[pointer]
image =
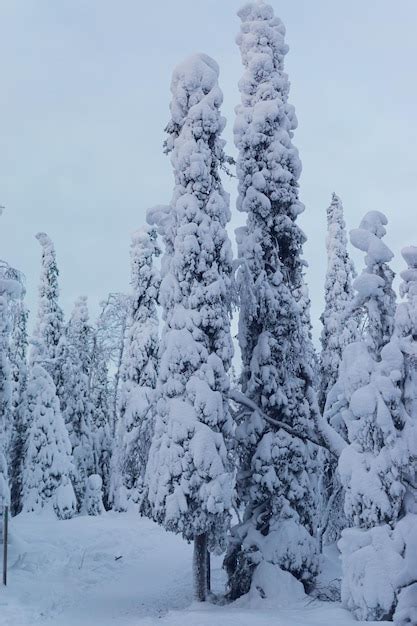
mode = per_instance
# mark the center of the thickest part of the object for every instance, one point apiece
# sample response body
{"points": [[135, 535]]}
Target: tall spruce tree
{"points": [[339, 330], [273, 480], [371, 312], [110, 342], [139, 368], [189, 473], [101, 423], [375, 297], [10, 289], [50, 317], [5, 403], [406, 334], [375, 465], [74, 394], [338, 293], [406, 329], [19, 369]]}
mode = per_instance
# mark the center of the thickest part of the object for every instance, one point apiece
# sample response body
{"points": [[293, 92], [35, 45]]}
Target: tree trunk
{"points": [[200, 567]]}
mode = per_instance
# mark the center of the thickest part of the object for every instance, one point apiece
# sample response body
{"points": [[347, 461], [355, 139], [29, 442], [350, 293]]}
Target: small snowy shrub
{"points": [[93, 500]]}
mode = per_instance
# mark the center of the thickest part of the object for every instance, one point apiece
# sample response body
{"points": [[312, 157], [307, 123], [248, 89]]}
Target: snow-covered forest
{"points": [[156, 464]]}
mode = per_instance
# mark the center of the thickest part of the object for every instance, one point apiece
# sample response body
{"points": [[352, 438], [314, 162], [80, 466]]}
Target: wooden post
{"points": [[5, 539]]}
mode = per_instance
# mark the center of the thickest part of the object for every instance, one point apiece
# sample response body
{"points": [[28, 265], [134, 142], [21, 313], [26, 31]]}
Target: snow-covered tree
{"points": [[101, 424], [374, 470], [404, 539], [273, 482], [375, 296], [74, 352], [370, 313], [406, 334], [5, 403], [139, 368], [19, 370], [339, 330], [48, 466], [50, 318], [110, 342], [10, 290], [377, 468], [338, 293], [189, 474], [406, 328]]}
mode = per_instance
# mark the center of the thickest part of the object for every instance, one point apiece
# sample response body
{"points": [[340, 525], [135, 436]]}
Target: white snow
{"points": [[65, 573]]}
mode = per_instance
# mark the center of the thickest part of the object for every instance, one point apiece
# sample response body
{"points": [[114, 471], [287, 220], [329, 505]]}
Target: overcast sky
{"points": [[84, 99]]}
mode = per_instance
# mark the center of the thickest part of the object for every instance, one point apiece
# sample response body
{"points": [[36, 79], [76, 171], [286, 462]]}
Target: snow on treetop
{"points": [[144, 243], [409, 276], [193, 79], [409, 254], [256, 11], [141, 235], [263, 48], [374, 222], [80, 310], [44, 240], [160, 216], [368, 238], [254, 15]]}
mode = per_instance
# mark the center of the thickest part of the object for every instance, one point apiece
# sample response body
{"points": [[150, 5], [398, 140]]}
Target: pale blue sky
{"points": [[85, 96]]}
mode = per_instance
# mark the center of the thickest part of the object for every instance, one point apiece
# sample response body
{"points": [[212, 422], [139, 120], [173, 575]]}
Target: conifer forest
{"points": [[194, 447]]}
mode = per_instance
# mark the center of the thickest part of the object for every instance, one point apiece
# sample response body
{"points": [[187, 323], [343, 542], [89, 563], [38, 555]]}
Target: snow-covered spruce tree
{"points": [[377, 468], [18, 361], [139, 368], [375, 296], [372, 309], [110, 342], [372, 468], [338, 293], [189, 474], [49, 325], [406, 334], [406, 581], [74, 394], [10, 289], [101, 423], [273, 480], [5, 401], [48, 467], [335, 336], [406, 328]]}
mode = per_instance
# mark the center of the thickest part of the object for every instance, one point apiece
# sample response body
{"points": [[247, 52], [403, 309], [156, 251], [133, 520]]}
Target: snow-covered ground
{"points": [[121, 570]]}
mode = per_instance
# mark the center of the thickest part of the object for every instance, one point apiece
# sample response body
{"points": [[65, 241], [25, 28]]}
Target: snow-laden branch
{"points": [[328, 438], [334, 443]]}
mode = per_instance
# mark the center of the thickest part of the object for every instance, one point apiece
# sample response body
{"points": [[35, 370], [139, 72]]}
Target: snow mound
{"points": [[272, 587], [371, 562], [409, 254]]}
